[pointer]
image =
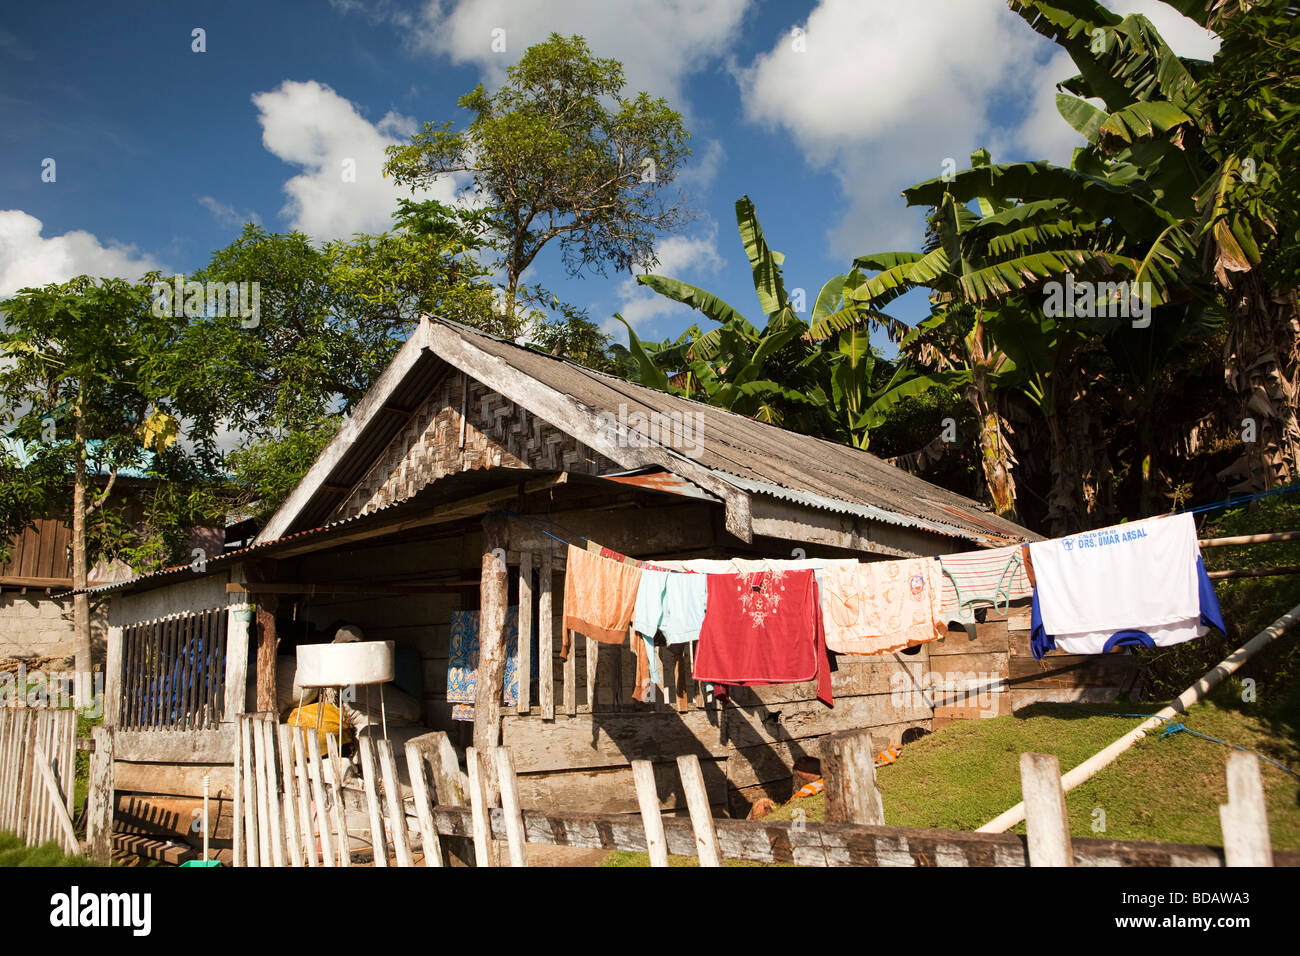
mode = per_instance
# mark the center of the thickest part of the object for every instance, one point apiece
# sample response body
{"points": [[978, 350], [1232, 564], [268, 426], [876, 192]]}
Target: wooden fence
{"points": [[290, 811], [37, 775], [173, 672]]}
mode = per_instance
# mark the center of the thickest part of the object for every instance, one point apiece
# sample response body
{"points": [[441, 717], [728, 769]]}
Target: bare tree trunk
{"points": [[83, 664]]}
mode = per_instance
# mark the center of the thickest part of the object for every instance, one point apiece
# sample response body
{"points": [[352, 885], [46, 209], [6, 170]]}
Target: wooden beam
{"points": [[831, 844], [452, 511], [494, 592]]}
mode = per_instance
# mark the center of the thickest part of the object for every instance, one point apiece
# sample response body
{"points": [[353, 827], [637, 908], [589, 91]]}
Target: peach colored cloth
{"points": [[880, 606], [599, 595]]}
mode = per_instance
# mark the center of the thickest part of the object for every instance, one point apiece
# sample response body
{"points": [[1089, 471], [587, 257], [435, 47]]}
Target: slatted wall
{"points": [[173, 672]]}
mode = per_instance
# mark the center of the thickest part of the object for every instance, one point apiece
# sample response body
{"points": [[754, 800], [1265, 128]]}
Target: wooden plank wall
{"points": [[38, 556], [1063, 678]]}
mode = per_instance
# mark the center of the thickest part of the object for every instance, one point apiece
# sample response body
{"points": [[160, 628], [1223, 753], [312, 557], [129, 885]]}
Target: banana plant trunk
{"points": [[1262, 365], [996, 455]]}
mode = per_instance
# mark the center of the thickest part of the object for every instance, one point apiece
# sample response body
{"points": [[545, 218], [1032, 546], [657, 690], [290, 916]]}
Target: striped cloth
{"points": [[982, 577]]}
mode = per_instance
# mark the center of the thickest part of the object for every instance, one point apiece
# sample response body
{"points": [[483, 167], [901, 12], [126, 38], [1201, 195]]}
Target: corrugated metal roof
{"points": [[810, 471]]}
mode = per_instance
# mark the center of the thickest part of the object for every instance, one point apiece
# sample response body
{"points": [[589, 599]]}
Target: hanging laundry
{"points": [[671, 604], [974, 578], [880, 606], [709, 566], [462, 664], [1137, 583], [763, 628], [599, 597]]}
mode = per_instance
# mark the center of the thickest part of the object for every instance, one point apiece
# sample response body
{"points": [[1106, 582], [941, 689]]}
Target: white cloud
{"points": [[680, 257], [341, 189], [226, 215], [29, 259], [881, 99], [659, 42], [1187, 37]]}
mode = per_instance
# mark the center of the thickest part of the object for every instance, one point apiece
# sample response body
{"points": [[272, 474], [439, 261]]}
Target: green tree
{"points": [[330, 319], [558, 153], [87, 386]]}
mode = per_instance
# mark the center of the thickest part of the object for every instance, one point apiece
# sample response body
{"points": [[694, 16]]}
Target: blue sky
{"points": [[820, 110]]}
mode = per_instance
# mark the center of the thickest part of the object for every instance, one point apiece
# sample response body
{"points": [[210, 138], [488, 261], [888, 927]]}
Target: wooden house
{"points": [[453, 487]]}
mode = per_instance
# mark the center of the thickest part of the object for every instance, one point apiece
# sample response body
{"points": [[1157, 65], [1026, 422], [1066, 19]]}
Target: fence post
{"points": [[1244, 817], [510, 806], [99, 797], [478, 812], [647, 797], [429, 841], [697, 801], [1046, 825], [849, 771]]}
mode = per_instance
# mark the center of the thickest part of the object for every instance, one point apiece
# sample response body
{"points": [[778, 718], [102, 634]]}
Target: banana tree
{"points": [[773, 373], [1212, 147]]}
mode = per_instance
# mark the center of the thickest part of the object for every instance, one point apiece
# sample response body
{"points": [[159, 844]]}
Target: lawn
{"points": [[13, 852]]}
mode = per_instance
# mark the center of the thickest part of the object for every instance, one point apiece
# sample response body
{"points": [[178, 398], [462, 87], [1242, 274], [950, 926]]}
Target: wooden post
{"points": [[1244, 817], [647, 798], [545, 638], [493, 597], [237, 821], [478, 811], [292, 831], [99, 797], [251, 821], [336, 793], [525, 632], [237, 660], [113, 677], [423, 806], [1046, 825], [697, 801], [275, 806], [396, 809], [297, 748], [317, 774], [451, 787], [510, 805], [267, 642], [849, 769], [261, 792], [571, 673], [369, 774]]}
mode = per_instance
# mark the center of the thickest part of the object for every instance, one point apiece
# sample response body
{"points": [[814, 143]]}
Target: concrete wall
{"points": [[35, 625]]}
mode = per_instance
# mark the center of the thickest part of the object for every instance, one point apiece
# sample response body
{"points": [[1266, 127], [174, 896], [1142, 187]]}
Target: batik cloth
{"points": [[763, 628], [462, 664], [880, 606]]}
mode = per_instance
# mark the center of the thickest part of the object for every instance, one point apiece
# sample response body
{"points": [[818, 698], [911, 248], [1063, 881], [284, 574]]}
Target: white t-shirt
{"points": [[1140, 575]]}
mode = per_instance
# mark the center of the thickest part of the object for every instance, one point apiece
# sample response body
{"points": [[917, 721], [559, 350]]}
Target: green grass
{"points": [[1165, 790], [13, 852], [1162, 790]]}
